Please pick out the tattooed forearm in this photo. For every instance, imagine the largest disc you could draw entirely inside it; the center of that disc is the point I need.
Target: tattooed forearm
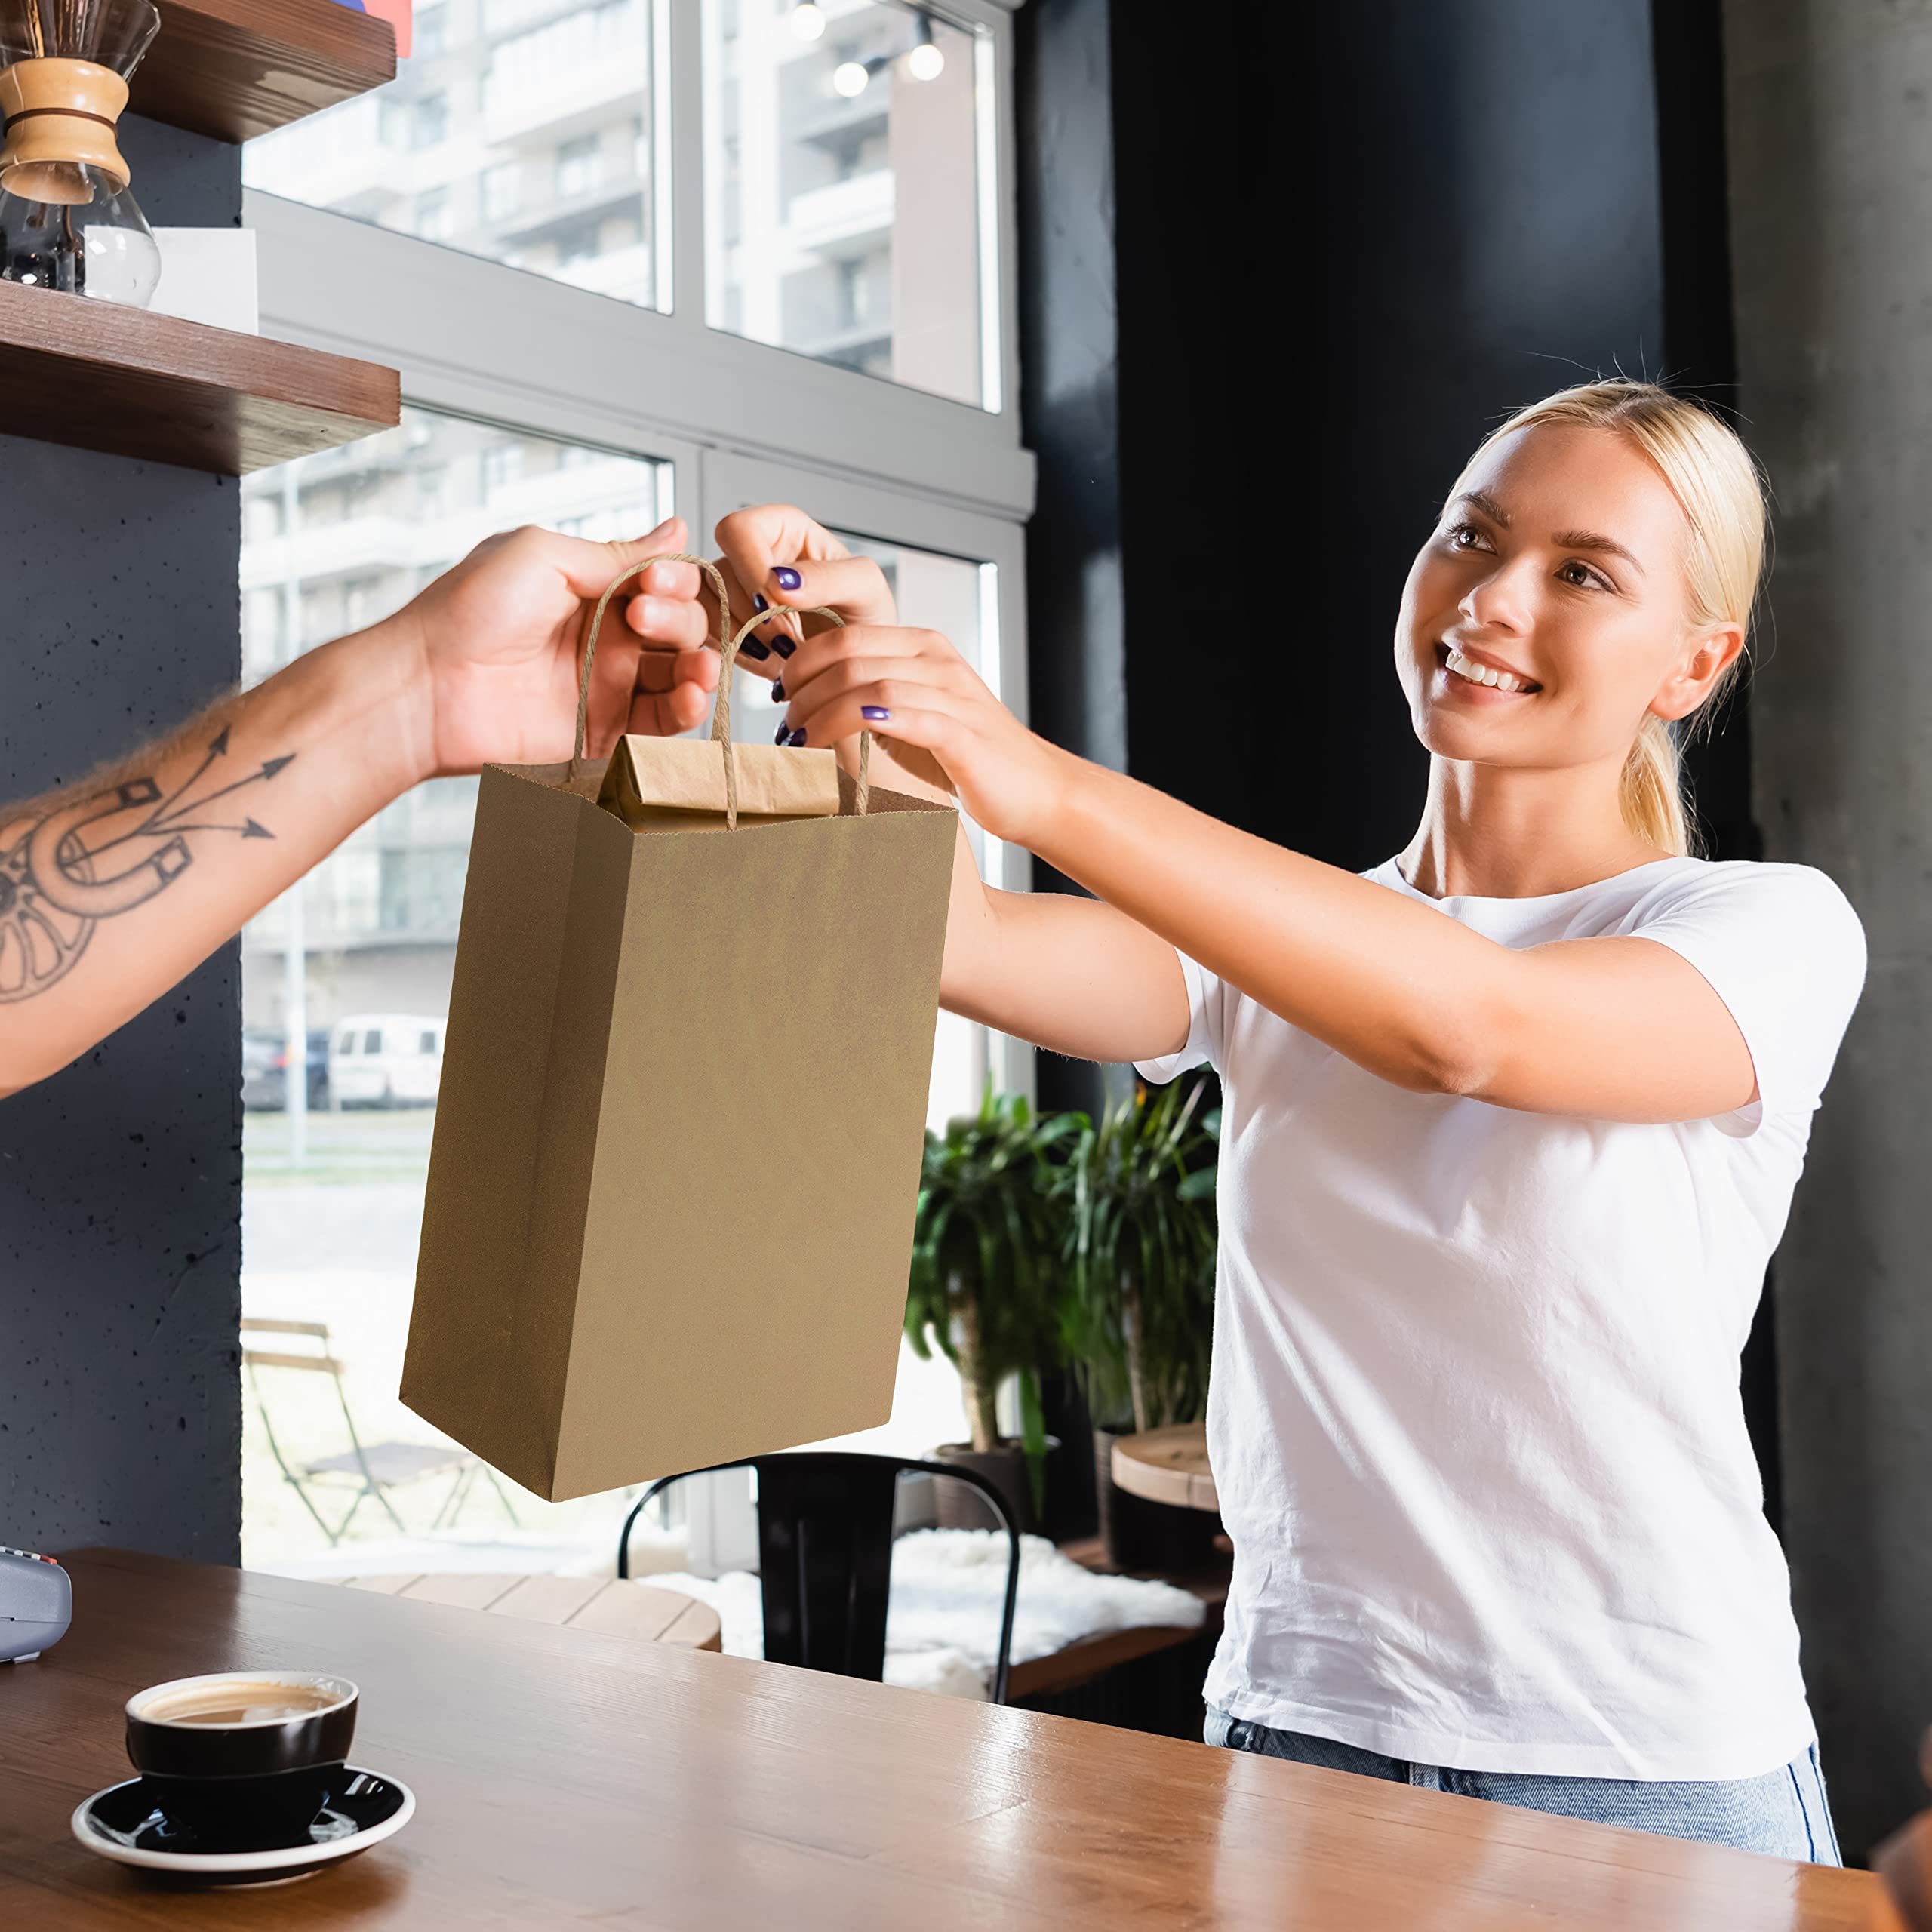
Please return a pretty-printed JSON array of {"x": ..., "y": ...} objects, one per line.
[
  {"x": 118, "y": 887},
  {"x": 105, "y": 852}
]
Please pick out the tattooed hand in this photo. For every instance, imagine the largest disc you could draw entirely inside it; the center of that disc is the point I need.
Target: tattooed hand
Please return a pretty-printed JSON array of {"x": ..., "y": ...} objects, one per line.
[{"x": 497, "y": 642}]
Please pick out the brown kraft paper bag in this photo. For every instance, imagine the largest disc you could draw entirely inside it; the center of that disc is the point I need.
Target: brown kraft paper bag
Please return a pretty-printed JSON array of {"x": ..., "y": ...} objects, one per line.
[{"x": 678, "y": 1143}]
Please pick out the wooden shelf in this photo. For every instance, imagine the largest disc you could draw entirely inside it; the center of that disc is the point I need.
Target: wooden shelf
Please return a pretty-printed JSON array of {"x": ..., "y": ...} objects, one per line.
[
  {"x": 237, "y": 68},
  {"x": 101, "y": 376}
]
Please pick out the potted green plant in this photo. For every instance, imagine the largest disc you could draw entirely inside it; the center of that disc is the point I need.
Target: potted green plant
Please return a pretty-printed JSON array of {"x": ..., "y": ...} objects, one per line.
[
  {"x": 1140, "y": 1317},
  {"x": 985, "y": 1287}
]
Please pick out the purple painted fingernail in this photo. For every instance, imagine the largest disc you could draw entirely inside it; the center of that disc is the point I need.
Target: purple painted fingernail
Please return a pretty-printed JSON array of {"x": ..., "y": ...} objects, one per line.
[
  {"x": 752, "y": 648},
  {"x": 875, "y": 714},
  {"x": 787, "y": 580},
  {"x": 797, "y": 738},
  {"x": 784, "y": 732},
  {"x": 778, "y": 690},
  {"x": 784, "y": 645},
  {"x": 759, "y": 603}
]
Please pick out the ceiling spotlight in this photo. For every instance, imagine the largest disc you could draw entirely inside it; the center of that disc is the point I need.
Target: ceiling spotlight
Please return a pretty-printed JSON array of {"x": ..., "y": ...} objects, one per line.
[
  {"x": 926, "y": 62},
  {"x": 808, "y": 21},
  {"x": 850, "y": 78}
]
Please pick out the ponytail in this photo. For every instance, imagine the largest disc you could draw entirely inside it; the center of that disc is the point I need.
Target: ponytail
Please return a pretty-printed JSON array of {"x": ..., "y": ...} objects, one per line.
[{"x": 1650, "y": 791}]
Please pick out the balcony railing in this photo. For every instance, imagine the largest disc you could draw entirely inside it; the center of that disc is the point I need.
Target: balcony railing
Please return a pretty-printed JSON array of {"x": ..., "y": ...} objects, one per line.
[
  {"x": 844, "y": 218},
  {"x": 562, "y": 77}
]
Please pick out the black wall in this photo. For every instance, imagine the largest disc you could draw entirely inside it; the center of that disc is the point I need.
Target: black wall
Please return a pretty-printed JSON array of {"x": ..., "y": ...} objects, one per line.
[
  {"x": 1460, "y": 215},
  {"x": 1318, "y": 300},
  {"x": 120, "y": 1179},
  {"x": 1069, "y": 402},
  {"x": 1315, "y": 307}
]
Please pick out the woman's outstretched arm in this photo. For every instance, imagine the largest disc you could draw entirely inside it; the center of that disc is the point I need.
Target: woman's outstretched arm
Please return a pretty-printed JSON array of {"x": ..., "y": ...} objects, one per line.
[
  {"x": 1613, "y": 1028},
  {"x": 1609, "y": 1028},
  {"x": 113, "y": 889},
  {"x": 1076, "y": 976}
]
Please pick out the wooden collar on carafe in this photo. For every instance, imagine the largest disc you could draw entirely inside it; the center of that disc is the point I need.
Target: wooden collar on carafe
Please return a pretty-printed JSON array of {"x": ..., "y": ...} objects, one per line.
[{"x": 59, "y": 114}]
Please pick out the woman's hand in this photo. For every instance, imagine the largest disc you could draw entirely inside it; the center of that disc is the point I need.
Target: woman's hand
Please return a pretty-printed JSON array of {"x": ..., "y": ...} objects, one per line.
[
  {"x": 794, "y": 566},
  {"x": 932, "y": 711},
  {"x": 946, "y": 731},
  {"x": 764, "y": 554}
]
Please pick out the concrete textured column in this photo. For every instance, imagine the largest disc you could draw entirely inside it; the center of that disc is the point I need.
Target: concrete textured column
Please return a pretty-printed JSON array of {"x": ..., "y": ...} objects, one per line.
[
  {"x": 121, "y": 1176},
  {"x": 1830, "y": 138}
]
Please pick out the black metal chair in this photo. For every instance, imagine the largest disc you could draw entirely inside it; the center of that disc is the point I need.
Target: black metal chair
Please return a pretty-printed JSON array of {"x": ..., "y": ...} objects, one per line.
[{"x": 825, "y": 1546}]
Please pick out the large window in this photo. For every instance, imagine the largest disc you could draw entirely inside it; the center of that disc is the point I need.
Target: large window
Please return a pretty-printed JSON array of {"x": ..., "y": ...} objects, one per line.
[{"x": 535, "y": 243}]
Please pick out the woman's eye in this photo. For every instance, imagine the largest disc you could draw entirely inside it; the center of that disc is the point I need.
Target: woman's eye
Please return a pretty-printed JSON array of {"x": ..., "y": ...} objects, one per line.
[
  {"x": 1580, "y": 575},
  {"x": 1464, "y": 536}
]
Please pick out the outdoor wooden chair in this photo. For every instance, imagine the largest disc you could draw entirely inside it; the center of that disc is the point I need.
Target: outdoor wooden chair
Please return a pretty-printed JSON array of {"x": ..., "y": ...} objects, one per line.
[{"x": 374, "y": 1468}]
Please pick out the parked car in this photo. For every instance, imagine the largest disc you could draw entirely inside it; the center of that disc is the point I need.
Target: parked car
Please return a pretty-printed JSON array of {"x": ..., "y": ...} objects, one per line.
[
  {"x": 265, "y": 1068},
  {"x": 386, "y": 1059}
]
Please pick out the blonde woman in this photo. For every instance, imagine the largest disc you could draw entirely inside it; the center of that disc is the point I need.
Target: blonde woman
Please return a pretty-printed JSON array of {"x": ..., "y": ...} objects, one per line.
[{"x": 1511, "y": 1126}]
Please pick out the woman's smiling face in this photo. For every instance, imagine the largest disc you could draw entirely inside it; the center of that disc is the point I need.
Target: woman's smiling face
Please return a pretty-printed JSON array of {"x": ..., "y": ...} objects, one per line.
[{"x": 1548, "y": 613}]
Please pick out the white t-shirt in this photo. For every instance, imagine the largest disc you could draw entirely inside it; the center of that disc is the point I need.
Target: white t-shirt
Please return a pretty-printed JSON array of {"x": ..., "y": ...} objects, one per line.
[{"x": 1475, "y": 1418}]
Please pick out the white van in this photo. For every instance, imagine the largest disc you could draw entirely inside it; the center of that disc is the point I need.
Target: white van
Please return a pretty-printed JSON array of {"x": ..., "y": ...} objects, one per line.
[{"x": 386, "y": 1059}]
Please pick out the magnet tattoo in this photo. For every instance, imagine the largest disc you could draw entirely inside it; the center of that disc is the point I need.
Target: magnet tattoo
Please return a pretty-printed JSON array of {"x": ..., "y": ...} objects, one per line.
[{"x": 63, "y": 873}]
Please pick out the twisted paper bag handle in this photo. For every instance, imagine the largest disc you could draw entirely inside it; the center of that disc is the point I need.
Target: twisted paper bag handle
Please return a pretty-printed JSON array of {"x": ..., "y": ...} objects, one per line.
[{"x": 727, "y": 643}]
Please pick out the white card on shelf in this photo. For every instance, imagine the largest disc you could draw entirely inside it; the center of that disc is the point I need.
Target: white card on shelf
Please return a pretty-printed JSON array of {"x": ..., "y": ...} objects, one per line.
[{"x": 207, "y": 275}]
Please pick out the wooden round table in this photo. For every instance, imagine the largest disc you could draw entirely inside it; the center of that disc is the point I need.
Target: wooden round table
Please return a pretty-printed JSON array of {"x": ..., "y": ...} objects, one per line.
[
  {"x": 1167, "y": 1466},
  {"x": 584, "y": 1603}
]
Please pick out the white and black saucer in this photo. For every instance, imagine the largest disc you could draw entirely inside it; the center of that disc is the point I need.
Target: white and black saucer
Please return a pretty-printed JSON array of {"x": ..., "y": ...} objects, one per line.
[{"x": 127, "y": 1823}]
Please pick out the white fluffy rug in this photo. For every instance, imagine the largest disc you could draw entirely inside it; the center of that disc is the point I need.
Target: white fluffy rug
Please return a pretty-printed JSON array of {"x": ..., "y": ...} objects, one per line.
[{"x": 942, "y": 1618}]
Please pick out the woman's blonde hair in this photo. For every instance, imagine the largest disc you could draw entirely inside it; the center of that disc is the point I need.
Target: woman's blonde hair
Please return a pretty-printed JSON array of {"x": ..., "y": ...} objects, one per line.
[{"x": 1718, "y": 487}]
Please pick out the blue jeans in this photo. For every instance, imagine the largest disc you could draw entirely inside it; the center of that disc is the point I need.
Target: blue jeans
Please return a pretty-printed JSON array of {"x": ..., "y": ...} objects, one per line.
[{"x": 1785, "y": 1812}]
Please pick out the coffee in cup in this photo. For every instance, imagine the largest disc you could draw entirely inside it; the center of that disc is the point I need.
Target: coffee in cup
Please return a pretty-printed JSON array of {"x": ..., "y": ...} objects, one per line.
[{"x": 228, "y": 1702}]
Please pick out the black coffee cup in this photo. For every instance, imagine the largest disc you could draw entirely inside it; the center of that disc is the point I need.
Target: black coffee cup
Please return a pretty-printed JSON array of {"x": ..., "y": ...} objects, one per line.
[{"x": 242, "y": 1755}]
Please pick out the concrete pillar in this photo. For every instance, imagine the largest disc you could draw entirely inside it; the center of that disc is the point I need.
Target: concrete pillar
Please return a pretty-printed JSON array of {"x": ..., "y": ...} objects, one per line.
[
  {"x": 1831, "y": 173},
  {"x": 121, "y": 1177}
]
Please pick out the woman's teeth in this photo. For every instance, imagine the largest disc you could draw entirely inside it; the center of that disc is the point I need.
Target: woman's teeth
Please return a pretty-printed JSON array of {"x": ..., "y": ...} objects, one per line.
[{"x": 1482, "y": 674}]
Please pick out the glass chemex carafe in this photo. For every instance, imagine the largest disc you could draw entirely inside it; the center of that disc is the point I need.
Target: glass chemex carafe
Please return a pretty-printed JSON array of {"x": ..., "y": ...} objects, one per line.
[{"x": 66, "y": 219}]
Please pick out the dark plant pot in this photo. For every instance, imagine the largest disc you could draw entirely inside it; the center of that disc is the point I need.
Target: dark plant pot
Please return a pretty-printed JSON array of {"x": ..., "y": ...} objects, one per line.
[
  {"x": 1072, "y": 1510},
  {"x": 957, "y": 1507},
  {"x": 1140, "y": 1535}
]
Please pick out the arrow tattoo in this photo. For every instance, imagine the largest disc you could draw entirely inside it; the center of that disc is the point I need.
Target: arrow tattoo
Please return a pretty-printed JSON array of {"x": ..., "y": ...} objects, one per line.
[{"x": 173, "y": 810}]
